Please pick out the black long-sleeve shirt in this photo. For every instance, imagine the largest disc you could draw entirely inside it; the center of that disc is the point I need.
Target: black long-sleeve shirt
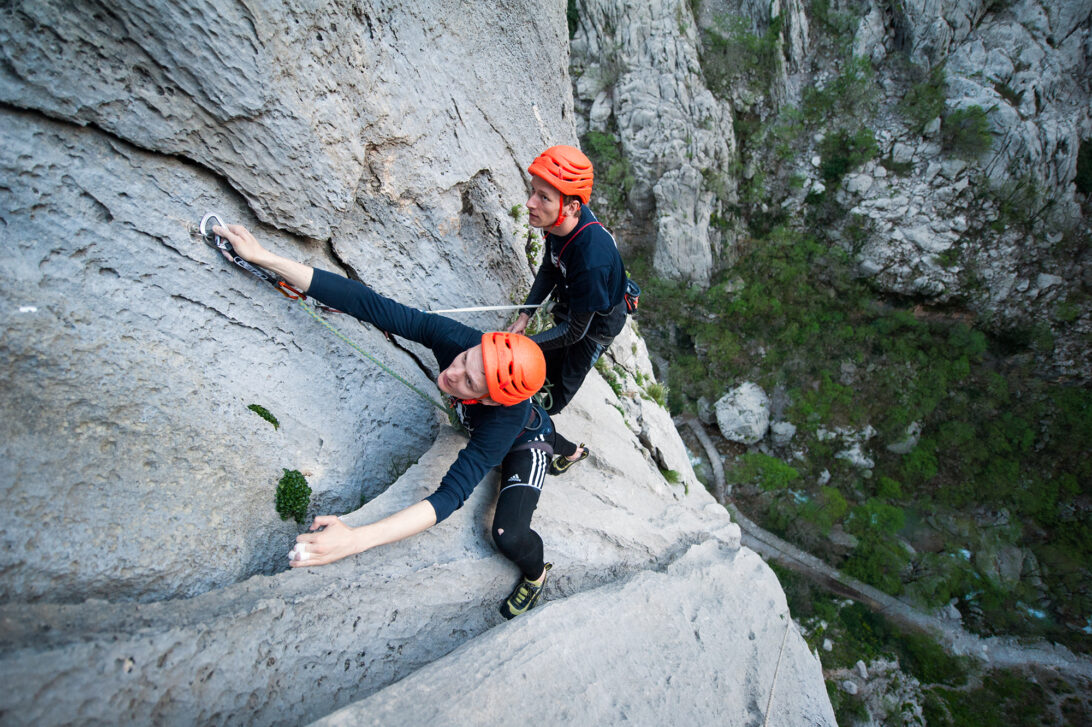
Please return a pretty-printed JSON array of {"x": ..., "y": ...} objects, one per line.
[{"x": 585, "y": 272}]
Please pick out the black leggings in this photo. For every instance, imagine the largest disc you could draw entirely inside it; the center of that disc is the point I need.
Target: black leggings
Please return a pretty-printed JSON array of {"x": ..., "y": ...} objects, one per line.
[
  {"x": 522, "y": 475},
  {"x": 566, "y": 368}
]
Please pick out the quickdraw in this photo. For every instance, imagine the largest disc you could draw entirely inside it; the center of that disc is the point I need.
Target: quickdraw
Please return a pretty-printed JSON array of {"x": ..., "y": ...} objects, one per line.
[
  {"x": 288, "y": 291},
  {"x": 212, "y": 219}
]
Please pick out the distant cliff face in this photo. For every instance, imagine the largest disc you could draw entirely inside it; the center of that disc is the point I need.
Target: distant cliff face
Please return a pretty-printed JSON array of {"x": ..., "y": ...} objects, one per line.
[
  {"x": 975, "y": 192},
  {"x": 142, "y": 556}
]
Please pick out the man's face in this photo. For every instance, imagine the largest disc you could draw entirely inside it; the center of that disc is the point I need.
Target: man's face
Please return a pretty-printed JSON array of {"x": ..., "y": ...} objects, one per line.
[
  {"x": 543, "y": 205},
  {"x": 465, "y": 377}
]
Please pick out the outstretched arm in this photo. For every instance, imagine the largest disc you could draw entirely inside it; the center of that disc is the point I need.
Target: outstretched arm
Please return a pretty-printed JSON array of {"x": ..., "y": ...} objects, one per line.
[
  {"x": 295, "y": 274},
  {"x": 338, "y": 540}
]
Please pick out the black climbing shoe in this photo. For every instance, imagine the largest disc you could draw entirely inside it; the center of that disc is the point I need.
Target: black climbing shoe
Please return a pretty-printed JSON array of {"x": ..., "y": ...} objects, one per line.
[
  {"x": 561, "y": 463},
  {"x": 524, "y": 598}
]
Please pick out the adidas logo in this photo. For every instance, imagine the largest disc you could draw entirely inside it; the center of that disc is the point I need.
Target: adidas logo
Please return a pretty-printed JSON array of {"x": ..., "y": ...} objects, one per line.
[{"x": 514, "y": 478}]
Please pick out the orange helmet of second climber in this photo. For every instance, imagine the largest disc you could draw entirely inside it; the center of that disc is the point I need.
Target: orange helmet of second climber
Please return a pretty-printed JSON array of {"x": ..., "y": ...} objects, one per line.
[
  {"x": 515, "y": 368},
  {"x": 566, "y": 169}
]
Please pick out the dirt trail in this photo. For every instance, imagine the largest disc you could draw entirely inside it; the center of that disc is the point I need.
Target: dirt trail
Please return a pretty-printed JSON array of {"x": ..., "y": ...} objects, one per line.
[{"x": 994, "y": 651}]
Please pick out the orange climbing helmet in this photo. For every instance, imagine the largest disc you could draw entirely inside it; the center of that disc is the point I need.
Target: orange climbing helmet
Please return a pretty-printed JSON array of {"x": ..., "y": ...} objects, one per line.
[
  {"x": 566, "y": 169},
  {"x": 514, "y": 367}
]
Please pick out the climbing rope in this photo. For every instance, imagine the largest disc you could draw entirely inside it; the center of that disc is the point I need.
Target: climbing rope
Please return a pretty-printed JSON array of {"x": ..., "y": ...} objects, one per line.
[
  {"x": 777, "y": 668},
  {"x": 328, "y": 326},
  {"x": 211, "y": 220}
]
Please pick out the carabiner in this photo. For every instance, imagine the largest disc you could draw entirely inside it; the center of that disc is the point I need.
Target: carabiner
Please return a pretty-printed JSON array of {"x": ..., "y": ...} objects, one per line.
[{"x": 213, "y": 220}]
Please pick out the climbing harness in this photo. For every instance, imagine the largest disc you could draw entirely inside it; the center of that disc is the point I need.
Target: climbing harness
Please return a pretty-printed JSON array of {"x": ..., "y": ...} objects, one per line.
[
  {"x": 212, "y": 219},
  {"x": 631, "y": 295}
]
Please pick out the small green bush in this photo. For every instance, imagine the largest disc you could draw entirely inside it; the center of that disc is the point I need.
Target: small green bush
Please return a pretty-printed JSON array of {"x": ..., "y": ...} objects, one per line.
[
  {"x": 658, "y": 393},
  {"x": 825, "y": 510},
  {"x": 613, "y": 177},
  {"x": 966, "y": 133},
  {"x": 878, "y": 561},
  {"x": 293, "y": 496},
  {"x": 925, "y": 99},
  {"x": 844, "y": 151},
  {"x": 849, "y": 95},
  {"x": 1084, "y": 167},
  {"x": 768, "y": 472},
  {"x": 1005, "y": 697},
  {"x": 731, "y": 55},
  {"x": 572, "y": 17},
  {"x": 609, "y": 376}
]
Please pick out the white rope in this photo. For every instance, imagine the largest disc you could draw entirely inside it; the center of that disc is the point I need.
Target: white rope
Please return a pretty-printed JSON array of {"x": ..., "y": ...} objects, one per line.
[
  {"x": 482, "y": 308},
  {"x": 780, "y": 653}
]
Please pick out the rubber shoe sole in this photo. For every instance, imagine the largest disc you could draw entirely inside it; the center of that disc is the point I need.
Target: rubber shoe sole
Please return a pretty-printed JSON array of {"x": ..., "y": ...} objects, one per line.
[
  {"x": 561, "y": 464},
  {"x": 525, "y": 596}
]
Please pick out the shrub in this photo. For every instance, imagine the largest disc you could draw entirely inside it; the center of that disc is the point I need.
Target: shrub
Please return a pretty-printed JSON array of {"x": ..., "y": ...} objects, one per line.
[
  {"x": 851, "y": 94},
  {"x": 876, "y": 517},
  {"x": 613, "y": 177},
  {"x": 1084, "y": 167},
  {"x": 572, "y": 17},
  {"x": 768, "y": 472},
  {"x": 966, "y": 133},
  {"x": 842, "y": 152},
  {"x": 878, "y": 561},
  {"x": 293, "y": 496},
  {"x": 657, "y": 392},
  {"x": 732, "y": 54},
  {"x": 920, "y": 466},
  {"x": 925, "y": 99},
  {"x": 826, "y": 510},
  {"x": 609, "y": 376}
]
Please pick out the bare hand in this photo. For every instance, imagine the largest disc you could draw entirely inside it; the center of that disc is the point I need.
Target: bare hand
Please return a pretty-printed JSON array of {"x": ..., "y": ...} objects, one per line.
[
  {"x": 521, "y": 324},
  {"x": 320, "y": 548},
  {"x": 246, "y": 246}
]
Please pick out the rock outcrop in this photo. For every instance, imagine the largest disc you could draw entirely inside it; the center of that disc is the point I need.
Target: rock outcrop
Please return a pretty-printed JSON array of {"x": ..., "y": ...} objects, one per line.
[
  {"x": 142, "y": 556},
  {"x": 994, "y": 227},
  {"x": 639, "y": 77}
]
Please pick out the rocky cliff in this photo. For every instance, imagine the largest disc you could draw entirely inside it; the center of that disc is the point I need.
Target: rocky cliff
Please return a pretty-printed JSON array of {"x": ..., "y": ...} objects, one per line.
[
  {"x": 143, "y": 561},
  {"x": 980, "y": 114}
]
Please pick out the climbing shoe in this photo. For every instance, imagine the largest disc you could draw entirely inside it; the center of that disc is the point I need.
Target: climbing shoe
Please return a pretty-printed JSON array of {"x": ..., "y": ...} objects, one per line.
[
  {"x": 561, "y": 463},
  {"x": 524, "y": 598}
]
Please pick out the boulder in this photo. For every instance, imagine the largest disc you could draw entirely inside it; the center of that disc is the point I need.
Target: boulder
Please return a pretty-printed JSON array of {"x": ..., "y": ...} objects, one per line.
[{"x": 743, "y": 414}]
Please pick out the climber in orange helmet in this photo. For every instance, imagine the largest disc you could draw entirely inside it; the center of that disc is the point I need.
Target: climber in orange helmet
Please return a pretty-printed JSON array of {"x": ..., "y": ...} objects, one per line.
[
  {"x": 490, "y": 378},
  {"x": 581, "y": 267}
]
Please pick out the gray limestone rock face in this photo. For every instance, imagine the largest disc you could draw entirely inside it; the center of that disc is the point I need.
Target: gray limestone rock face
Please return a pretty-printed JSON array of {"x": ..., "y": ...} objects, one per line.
[
  {"x": 681, "y": 622},
  {"x": 292, "y": 647},
  {"x": 135, "y": 349},
  {"x": 132, "y": 465}
]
